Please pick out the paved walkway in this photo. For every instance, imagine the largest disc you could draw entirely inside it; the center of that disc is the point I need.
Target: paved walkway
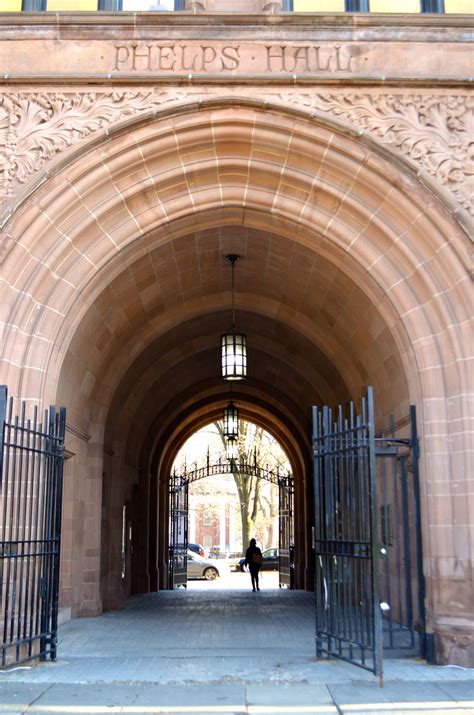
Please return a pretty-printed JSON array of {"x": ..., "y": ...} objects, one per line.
[{"x": 220, "y": 652}]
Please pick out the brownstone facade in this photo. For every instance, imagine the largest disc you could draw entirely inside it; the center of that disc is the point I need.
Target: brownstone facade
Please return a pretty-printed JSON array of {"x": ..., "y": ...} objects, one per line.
[{"x": 332, "y": 153}]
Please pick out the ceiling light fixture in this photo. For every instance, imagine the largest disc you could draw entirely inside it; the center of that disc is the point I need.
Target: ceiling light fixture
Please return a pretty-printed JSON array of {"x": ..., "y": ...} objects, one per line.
[{"x": 233, "y": 344}]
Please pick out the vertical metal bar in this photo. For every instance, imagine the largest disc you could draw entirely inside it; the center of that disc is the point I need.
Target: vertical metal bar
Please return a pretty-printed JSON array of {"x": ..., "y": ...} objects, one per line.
[
  {"x": 406, "y": 545},
  {"x": 34, "y": 529},
  {"x": 38, "y": 523},
  {"x": 3, "y": 491},
  {"x": 3, "y": 417},
  {"x": 415, "y": 451},
  {"x": 15, "y": 537},
  {"x": 317, "y": 525},
  {"x": 60, "y": 432},
  {"x": 327, "y": 572},
  {"x": 8, "y": 622},
  {"x": 49, "y": 535},
  {"x": 398, "y": 537},
  {"x": 361, "y": 522},
  {"x": 43, "y": 534},
  {"x": 27, "y": 526},
  {"x": 279, "y": 535},
  {"x": 375, "y": 548},
  {"x": 386, "y": 561},
  {"x": 170, "y": 531}
]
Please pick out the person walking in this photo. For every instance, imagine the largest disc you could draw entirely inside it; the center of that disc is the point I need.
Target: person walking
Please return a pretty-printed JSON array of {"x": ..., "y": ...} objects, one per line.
[{"x": 253, "y": 557}]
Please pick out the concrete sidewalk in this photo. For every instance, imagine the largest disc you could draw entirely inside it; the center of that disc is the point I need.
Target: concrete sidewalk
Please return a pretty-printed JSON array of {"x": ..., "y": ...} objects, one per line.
[{"x": 221, "y": 652}]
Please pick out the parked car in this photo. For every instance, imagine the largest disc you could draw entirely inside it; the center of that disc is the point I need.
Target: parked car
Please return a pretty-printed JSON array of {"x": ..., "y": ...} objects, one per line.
[
  {"x": 269, "y": 563},
  {"x": 197, "y": 548},
  {"x": 199, "y": 567}
]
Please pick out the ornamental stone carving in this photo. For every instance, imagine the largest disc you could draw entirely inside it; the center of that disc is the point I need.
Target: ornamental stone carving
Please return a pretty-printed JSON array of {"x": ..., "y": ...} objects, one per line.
[
  {"x": 36, "y": 127},
  {"x": 437, "y": 132},
  {"x": 434, "y": 131}
]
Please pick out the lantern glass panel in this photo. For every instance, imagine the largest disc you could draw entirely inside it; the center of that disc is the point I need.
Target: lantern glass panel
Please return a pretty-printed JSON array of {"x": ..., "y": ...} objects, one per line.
[
  {"x": 232, "y": 449},
  {"x": 234, "y": 356},
  {"x": 231, "y": 421}
]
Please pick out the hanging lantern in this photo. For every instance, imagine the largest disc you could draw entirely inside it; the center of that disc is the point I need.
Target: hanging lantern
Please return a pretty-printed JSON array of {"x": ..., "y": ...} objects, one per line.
[
  {"x": 231, "y": 421},
  {"x": 234, "y": 356},
  {"x": 232, "y": 450},
  {"x": 233, "y": 344}
]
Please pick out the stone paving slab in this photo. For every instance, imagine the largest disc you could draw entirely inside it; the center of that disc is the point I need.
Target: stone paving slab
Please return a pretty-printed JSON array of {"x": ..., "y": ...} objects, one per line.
[
  {"x": 142, "y": 660},
  {"x": 136, "y": 698},
  {"x": 459, "y": 690}
]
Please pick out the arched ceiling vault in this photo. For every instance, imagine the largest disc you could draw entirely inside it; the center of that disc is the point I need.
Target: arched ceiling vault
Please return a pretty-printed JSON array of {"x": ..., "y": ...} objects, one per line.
[{"x": 154, "y": 331}]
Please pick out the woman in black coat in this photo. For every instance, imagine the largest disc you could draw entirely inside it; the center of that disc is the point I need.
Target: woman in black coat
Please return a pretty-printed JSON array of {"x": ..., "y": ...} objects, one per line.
[{"x": 253, "y": 557}]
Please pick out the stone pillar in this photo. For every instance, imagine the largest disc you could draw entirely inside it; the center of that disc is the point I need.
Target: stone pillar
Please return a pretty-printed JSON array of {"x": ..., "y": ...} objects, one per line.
[
  {"x": 153, "y": 534},
  {"x": 163, "y": 529}
]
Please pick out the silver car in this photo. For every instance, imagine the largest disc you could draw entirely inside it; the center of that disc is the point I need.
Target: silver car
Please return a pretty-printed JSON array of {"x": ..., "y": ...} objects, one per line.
[{"x": 199, "y": 567}]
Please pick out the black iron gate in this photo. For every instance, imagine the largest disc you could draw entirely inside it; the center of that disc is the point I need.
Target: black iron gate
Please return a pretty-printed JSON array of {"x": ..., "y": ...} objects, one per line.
[
  {"x": 31, "y": 473},
  {"x": 402, "y": 584},
  {"x": 369, "y": 577},
  {"x": 347, "y": 586},
  {"x": 286, "y": 553},
  {"x": 178, "y": 532}
]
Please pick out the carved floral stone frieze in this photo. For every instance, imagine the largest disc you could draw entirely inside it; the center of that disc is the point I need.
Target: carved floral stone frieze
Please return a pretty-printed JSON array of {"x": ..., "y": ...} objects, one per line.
[
  {"x": 36, "y": 127},
  {"x": 434, "y": 131},
  {"x": 437, "y": 132}
]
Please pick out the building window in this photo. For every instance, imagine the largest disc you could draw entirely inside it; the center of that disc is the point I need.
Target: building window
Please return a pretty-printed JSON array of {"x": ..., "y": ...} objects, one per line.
[
  {"x": 34, "y": 5},
  {"x": 207, "y": 518},
  {"x": 357, "y": 6},
  {"x": 93, "y": 5},
  {"x": 432, "y": 5},
  {"x": 382, "y": 6}
]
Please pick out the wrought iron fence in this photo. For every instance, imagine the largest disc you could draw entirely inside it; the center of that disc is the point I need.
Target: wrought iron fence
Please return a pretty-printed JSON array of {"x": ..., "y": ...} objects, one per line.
[{"x": 31, "y": 472}]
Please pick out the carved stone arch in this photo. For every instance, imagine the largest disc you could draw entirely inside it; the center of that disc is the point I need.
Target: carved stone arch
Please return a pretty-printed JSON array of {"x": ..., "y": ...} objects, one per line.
[
  {"x": 277, "y": 176},
  {"x": 55, "y": 199},
  {"x": 45, "y": 131}
]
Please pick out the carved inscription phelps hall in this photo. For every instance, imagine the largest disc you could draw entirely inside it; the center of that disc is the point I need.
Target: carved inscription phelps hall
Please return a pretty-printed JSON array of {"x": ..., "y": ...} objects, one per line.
[{"x": 241, "y": 58}]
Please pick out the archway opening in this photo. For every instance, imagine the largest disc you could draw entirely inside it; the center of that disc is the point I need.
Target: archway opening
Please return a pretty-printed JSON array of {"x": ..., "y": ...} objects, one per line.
[{"x": 219, "y": 501}]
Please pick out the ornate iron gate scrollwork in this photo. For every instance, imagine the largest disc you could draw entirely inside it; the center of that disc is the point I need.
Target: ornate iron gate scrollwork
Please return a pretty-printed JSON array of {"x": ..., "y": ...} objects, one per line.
[{"x": 31, "y": 475}]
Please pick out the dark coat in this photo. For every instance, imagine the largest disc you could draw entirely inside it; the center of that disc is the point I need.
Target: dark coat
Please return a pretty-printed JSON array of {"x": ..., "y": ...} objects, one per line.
[{"x": 249, "y": 557}]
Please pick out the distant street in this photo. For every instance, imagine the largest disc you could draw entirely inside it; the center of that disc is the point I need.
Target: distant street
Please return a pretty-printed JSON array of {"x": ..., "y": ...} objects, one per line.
[{"x": 234, "y": 581}]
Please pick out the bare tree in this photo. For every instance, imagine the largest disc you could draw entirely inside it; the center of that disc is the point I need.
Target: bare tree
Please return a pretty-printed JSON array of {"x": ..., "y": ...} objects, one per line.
[{"x": 254, "y": 445}]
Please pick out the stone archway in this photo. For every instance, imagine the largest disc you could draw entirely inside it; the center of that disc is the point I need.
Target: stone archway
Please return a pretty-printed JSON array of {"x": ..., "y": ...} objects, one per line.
[{"x": 349, "y": 256}]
